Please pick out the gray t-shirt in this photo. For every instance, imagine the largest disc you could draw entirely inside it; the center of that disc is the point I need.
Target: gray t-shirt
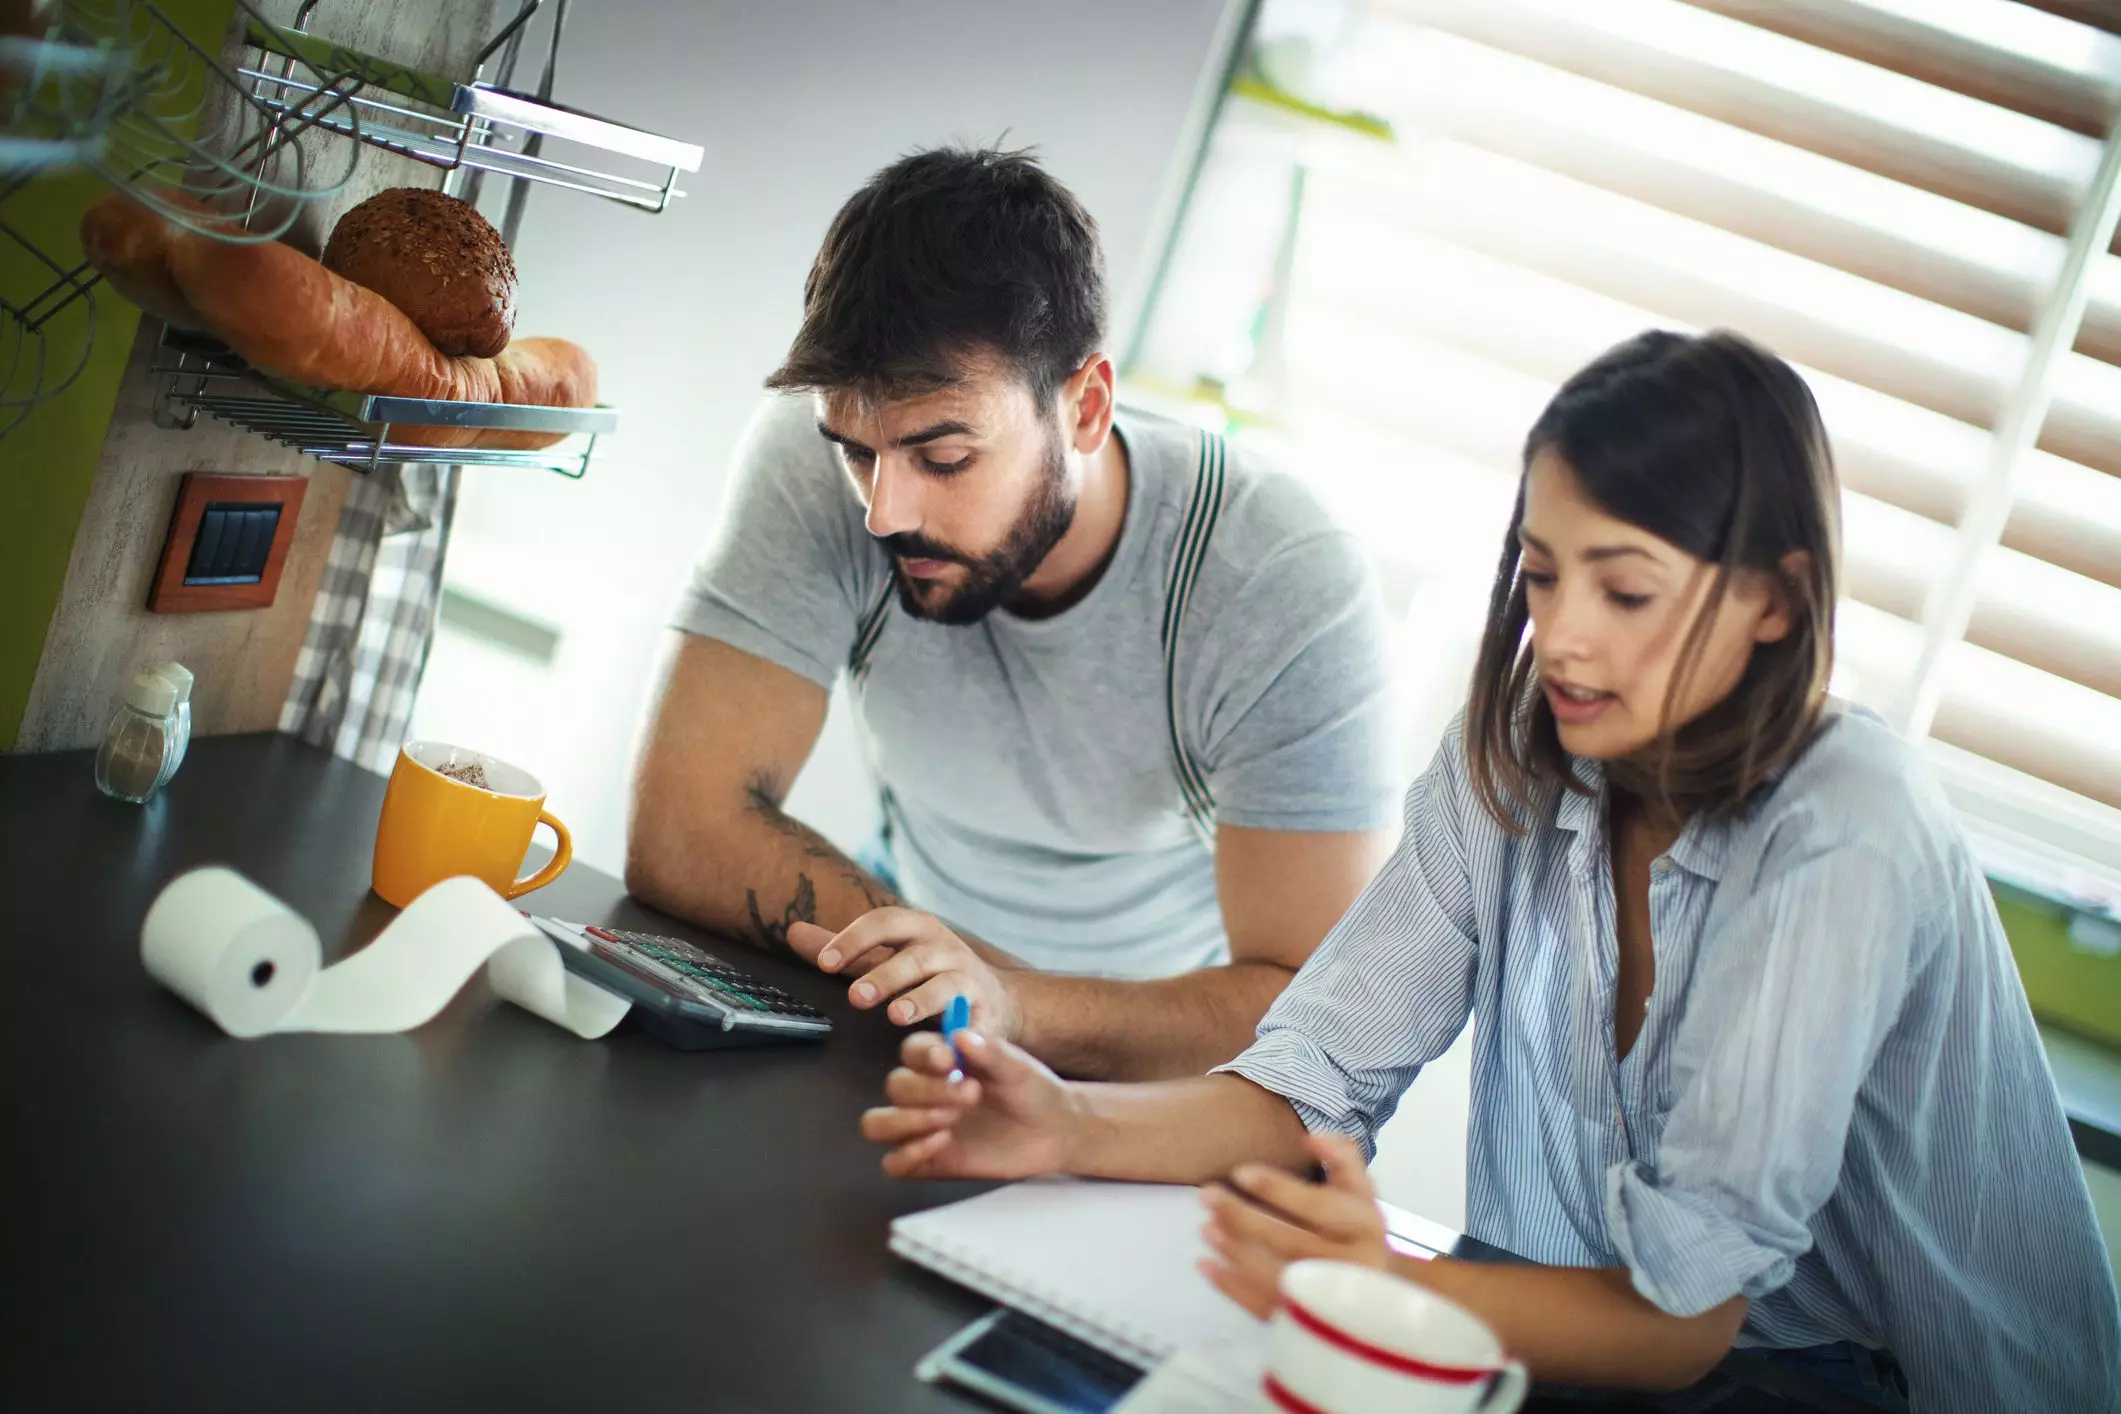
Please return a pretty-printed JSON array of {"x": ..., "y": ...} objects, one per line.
[{"x": 1029, "y": 790}]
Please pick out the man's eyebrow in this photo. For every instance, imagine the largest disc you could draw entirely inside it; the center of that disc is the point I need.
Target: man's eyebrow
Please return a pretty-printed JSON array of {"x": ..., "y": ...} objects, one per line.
[
  {"x": 848, "y": 442},
  {"x": 912, "y": 439},
  {"x": 936, "y": 433}
]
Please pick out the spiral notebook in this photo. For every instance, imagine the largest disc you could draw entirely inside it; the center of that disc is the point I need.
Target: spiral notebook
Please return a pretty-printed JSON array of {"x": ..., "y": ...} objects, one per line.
[{"x": 1111, "y": 1264}]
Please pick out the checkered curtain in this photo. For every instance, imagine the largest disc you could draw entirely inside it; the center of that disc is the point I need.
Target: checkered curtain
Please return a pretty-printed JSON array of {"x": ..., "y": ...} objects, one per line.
[{"x": 374, "y": 618}]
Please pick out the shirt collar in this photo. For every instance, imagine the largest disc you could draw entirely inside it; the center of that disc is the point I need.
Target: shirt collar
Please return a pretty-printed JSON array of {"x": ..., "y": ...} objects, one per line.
[
  {"x": 1703, "y": 846},
  {"x": 1583, "y": 810}
]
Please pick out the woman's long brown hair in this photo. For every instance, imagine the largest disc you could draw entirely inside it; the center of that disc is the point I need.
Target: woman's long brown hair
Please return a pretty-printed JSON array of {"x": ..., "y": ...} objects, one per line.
[{"x": 1714, "y": 445}]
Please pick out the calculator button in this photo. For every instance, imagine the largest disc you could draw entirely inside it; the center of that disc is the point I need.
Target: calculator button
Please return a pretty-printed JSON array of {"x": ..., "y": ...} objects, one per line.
[{"x": 711, "y": 977}]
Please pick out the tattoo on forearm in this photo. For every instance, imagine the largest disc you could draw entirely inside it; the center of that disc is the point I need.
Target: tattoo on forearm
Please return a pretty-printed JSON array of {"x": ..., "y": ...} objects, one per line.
[
  {"x": 801, "y": 909},
  {"x": 875, "y": 893},
  {"x": 764, "y": 795}
]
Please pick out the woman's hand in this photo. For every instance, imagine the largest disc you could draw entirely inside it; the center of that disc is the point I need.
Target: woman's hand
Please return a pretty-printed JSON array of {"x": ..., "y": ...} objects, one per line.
[
  {"x": 1267, "y": 1219},
  {"x": 1002, "y": 1115}
]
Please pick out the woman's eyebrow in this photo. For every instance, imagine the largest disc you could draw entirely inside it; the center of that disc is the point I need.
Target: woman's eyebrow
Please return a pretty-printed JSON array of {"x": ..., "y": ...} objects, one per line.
[
  {"x": 1614, "y": 552},
  {"x": 1596, "y": 552}
]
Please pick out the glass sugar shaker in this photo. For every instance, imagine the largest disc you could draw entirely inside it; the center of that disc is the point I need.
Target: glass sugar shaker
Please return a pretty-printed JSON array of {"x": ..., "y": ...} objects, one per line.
[
  {"x": 136, "y": 745},
  {"x": 180, "y": 678}
]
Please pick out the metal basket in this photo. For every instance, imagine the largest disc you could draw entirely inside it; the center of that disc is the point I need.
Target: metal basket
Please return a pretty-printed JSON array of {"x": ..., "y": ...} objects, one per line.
[
  {"x": 46, "y": 330},
  {"x": 236, "y": 154},
  {"x": 353, "y": 429}
]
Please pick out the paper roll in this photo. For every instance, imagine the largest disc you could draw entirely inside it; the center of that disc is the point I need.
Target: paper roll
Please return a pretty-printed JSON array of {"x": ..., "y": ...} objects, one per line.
[{"x": 252, "y": 964}]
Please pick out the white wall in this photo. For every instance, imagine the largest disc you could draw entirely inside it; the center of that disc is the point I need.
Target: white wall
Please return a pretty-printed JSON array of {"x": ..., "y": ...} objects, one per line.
[{"x": 796, "y": 102}]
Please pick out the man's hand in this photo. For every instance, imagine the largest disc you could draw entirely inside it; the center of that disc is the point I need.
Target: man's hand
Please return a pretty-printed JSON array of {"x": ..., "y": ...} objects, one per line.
[
  {"x": 916, "y": 964},
  {"x": 1002, "y": 1116},
  {"x": 1267, "y": 1219}
]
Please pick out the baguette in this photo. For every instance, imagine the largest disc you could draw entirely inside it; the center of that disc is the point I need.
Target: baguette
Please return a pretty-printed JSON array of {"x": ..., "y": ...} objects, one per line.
[
  {"x": 129, "y": 245},
  {"x": 534, "y": 372},
  {"x": 288, "y": 315},
  {"x": 531, "y": 373}
]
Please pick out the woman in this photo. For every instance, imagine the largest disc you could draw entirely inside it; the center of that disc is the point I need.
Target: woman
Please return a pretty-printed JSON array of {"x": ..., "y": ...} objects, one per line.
[{"x": 1753, "y": 1064}]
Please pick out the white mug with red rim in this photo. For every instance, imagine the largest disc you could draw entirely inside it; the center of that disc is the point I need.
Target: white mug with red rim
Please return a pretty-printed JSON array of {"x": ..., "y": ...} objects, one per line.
[{"x": 1355, "y": 1340}]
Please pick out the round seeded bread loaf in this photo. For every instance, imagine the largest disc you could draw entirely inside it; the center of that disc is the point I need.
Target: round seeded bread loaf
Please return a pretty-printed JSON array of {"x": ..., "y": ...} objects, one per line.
[{"x": 437, "y": 259}]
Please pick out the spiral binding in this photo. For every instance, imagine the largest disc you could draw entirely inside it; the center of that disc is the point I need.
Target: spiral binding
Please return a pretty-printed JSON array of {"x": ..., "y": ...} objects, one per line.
[{"x": 1133, "y": 1345}]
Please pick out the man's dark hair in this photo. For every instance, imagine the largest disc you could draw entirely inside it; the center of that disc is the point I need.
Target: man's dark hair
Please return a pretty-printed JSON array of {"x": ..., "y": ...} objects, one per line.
[{"x": 943, "y": 255}]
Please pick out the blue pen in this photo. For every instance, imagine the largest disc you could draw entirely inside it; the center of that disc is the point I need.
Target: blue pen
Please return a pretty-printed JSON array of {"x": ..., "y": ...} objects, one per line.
[{"x": 956, "y": 1017}]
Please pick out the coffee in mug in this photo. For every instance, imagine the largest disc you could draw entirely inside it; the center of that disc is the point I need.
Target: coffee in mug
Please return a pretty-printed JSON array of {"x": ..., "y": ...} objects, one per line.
[{"x": 451, "y": 811}]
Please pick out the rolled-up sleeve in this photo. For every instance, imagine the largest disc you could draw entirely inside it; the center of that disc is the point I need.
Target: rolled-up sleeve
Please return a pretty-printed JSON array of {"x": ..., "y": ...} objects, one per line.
[
  {"x": 1794, "y": 992},
  {"x": 1390, "y": 987}
]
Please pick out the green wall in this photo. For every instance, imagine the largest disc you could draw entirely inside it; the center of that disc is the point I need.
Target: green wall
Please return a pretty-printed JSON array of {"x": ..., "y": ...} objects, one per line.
[
  {"x": 2066, "y": 983},
  {"x": 49, "y": 460}
]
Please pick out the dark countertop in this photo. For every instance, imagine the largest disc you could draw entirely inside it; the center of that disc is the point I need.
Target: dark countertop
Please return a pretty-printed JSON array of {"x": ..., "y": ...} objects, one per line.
[{"x": 483, "y": 1213}]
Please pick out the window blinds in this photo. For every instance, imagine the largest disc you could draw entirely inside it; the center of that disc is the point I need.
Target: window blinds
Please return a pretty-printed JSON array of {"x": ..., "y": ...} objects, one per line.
[{"x": 1884, "y": 191}]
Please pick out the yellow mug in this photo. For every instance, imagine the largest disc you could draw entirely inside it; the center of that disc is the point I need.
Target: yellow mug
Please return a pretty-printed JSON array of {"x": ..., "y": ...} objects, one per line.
[{"x": 450, "y": 811}]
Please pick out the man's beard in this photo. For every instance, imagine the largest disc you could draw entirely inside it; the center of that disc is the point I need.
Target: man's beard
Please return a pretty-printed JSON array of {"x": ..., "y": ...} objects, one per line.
[{"x": 995, "y": 578}]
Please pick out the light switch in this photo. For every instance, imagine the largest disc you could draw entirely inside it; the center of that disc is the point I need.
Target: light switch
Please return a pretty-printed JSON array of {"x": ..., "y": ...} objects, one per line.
[
  {"x": 227, "y": 543},
  {"x": 234, "y": 541}
]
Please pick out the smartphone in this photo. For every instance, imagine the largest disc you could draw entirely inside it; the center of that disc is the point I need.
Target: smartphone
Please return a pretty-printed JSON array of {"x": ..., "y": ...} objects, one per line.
[{"x": 1021, "y": 1363}]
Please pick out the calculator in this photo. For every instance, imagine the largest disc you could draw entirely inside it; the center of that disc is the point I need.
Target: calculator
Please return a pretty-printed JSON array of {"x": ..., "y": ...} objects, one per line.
[{"x": 682, "y": 994}]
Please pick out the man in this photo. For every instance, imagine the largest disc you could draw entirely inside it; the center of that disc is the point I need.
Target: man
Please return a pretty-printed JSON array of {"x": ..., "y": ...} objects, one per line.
[{"x": 945, "y": 504}]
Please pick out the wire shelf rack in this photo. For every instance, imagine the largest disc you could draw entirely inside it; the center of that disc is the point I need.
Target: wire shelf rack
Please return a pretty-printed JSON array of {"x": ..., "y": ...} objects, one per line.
[
  {"x": 354, "y": 429},
  {"x": 238, "y": 152},
  {"x": 57, "y": 98},
  {"x": 47, "y": 331},
  {"x": 113, "y": 87},
  {"x": 478, "y": 126},
  {"x": 186, "y": 135}
]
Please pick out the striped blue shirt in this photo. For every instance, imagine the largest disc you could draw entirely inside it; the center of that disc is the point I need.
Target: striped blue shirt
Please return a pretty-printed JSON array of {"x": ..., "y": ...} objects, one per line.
[{"x": 1837, "y": 1104}]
